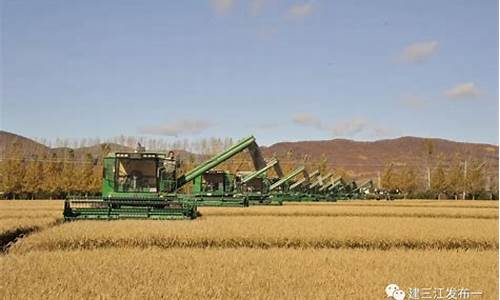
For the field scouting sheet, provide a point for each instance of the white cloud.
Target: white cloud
(342, 128)
(419, 52)
(222, 7)
(413, 102)
(307, 119)
(463, 91)
(300, 10)
(178, 128)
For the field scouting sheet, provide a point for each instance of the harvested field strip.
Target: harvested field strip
(13, 229)
(9, 237)
(270, 232)
(339, 211)
(242, 273)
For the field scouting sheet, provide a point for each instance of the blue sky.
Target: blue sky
(281, 70)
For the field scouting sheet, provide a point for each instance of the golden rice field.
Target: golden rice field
(344, 250)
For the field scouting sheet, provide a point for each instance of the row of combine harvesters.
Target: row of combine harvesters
(147, 185)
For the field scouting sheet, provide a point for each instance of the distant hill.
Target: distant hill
(363, 159)
(366, 158)
(31, 147)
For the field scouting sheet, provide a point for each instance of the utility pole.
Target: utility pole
(465, 179)
(488, 186)
(378, 180)
(428, 178)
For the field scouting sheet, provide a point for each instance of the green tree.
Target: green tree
(52, 177)
(323, 164)
(389, 180)
(408, 181)
(84, 175)
(67, 181)
(346, 176)
(96, 182)
(13, 170)
(438, 180)
(33, 179)
(475, 181)
(455, 179)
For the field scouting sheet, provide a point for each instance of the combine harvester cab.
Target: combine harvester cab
(135, 185)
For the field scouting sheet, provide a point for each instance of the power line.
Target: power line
(48, 160)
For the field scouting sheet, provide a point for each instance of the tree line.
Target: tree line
(461, 179)
(47, 176)
(55, 175)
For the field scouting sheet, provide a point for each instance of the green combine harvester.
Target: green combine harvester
(221, 188)
(145, 185)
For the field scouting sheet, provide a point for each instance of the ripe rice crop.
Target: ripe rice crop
(409, 203)
(6, 205)
(270, 232)
(344, 250)
(241, 273)
(334, 210)
(31, 209)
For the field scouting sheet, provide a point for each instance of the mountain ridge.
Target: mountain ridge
(364, 158)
